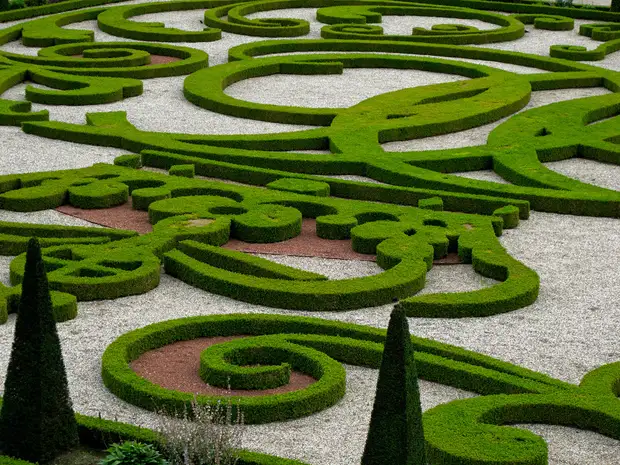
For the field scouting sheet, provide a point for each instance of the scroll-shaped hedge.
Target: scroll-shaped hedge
(473, 431)
(346, 343)
(116, 21)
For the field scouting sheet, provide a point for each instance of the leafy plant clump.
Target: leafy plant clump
(14, 5)
(204, 435)
(133, 453)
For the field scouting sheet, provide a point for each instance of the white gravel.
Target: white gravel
(571, 329)
(479, 135)
(334, 90)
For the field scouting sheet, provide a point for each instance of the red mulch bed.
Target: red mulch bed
(176, 366)
(307, 244)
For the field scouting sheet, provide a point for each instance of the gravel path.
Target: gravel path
(570, 330)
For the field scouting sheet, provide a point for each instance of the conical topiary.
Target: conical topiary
(37, 422)
(396, 436)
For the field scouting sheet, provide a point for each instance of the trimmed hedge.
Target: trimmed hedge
(130, 161)
(405, 240)
(91, 274)
(472, 431)
(49, 31)
(301, 186)
(399, 281)
(493, 94)
(113, 59)
(510, 28)
(186, 171)
(14, 236)
(116, 21)
(344, 342)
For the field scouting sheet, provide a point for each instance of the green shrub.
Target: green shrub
(37, 422)
(130, 161)
(30, 3)
(133, 453)
(14, 5)
(187, 171)
(396, 435)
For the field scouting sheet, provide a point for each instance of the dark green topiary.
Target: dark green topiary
(37, 422)
(396, 435)
(615, 5)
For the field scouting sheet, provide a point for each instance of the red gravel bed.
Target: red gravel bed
(121, 217)
(176, 366)
(307, 244)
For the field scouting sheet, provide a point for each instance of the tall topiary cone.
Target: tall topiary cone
(37, 422)
(396, 436)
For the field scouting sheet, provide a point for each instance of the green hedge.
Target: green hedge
(344, 342)
(405, 240)
(92, 274)
(473, 431)
(116, 21)
(186, 171)
(108, 61)
(400, 281)
(49, 31)
(510, 28)
(14, 236)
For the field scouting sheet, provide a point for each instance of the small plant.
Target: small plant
(133, 453)
(30, 3)
(15, 5)
(205, 435)
(564, 3)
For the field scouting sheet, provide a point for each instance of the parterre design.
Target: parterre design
(419, 211)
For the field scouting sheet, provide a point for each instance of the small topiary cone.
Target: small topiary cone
(37, 422)
(396, 436)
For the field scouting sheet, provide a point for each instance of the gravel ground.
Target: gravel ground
(570, 330)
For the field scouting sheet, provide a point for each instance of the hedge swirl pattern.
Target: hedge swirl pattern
(470, 431)
(193, 217)
(418, 212)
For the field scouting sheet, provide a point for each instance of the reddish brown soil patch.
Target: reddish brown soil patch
(121, 217)
(307, 244)
(162, 60)
(176, 366)
(450, 259)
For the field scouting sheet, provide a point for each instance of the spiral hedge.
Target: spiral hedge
(464, 431)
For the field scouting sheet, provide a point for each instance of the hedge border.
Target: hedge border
(210, 212)
(348, 343)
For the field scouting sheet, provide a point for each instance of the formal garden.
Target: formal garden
(321, 232)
